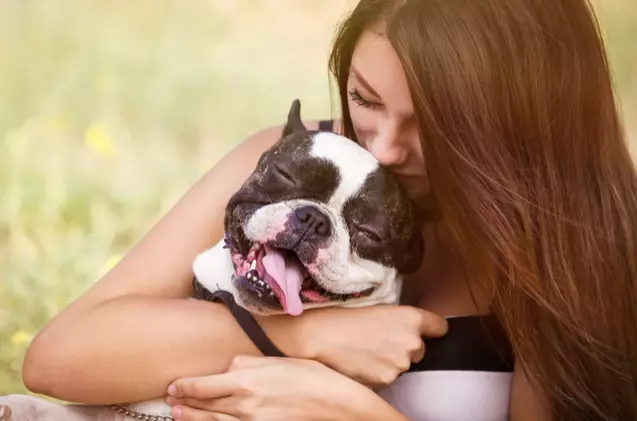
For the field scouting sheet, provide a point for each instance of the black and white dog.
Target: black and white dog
(318, 223)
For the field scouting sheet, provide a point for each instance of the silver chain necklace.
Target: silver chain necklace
(138, 415)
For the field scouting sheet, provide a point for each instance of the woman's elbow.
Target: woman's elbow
(46, 364)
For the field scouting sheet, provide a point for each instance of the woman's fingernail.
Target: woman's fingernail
(170, 400)
(176, 412)
(172, 390)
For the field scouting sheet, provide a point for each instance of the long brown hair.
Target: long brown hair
(530, 170)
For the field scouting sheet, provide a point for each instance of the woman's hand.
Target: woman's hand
(371, 345)
(273, 389)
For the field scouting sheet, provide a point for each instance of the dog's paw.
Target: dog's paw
(5, 413)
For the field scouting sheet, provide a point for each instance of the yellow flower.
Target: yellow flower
(99, 141)
(20, 337)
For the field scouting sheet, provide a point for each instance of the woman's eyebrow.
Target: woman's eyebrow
(363, 82)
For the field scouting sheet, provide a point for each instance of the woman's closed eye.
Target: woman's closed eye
(361, 101)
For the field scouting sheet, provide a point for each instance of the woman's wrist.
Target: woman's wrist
(371, 407)
(363, 404)
(288, 333)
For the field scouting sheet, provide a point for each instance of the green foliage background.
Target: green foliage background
(110, 110)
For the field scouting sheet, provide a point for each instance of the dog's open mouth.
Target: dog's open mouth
(271, 272)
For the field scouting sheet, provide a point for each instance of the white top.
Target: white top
(464, 376)
(451, 395)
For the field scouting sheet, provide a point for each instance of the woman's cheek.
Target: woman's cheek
(364, 122)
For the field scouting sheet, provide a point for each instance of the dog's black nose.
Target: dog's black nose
(314, 221)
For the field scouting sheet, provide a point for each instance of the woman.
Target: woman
(497, 116)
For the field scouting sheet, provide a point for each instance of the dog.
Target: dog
(318, 223)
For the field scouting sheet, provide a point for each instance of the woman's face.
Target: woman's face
(382, 112)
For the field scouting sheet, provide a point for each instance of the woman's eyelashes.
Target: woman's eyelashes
(361, 101)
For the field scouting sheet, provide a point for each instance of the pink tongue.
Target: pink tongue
(289, 279)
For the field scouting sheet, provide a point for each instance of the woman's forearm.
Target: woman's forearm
(131, 348)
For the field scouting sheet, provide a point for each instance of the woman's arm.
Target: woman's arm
(133, 332)
(277, 389)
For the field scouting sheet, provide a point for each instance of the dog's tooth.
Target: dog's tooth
(253, 265)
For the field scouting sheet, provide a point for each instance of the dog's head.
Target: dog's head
(319, 223)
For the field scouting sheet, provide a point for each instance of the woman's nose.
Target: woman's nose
(389, 149)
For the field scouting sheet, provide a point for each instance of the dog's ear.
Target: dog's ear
(294, 123)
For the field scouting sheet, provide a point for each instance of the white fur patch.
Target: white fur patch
(213, 268)
(353, 162)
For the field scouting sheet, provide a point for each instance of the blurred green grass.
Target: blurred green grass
(109, 111)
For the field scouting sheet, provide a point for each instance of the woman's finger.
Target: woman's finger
(232, 405)
(419, 354)
(185, 413)
(224, 417)
(432, 325)
(191, 402)
(241, 362)
(207, 387)
(237, 406)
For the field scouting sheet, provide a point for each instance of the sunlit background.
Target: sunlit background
(111, 109)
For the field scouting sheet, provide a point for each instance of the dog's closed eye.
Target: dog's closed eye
(284, 175)
(369, 233)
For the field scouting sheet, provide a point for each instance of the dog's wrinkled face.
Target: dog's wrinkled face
(319, 223)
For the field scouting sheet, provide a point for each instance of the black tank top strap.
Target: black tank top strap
(326, 125)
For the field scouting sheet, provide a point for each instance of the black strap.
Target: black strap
(243, 317)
